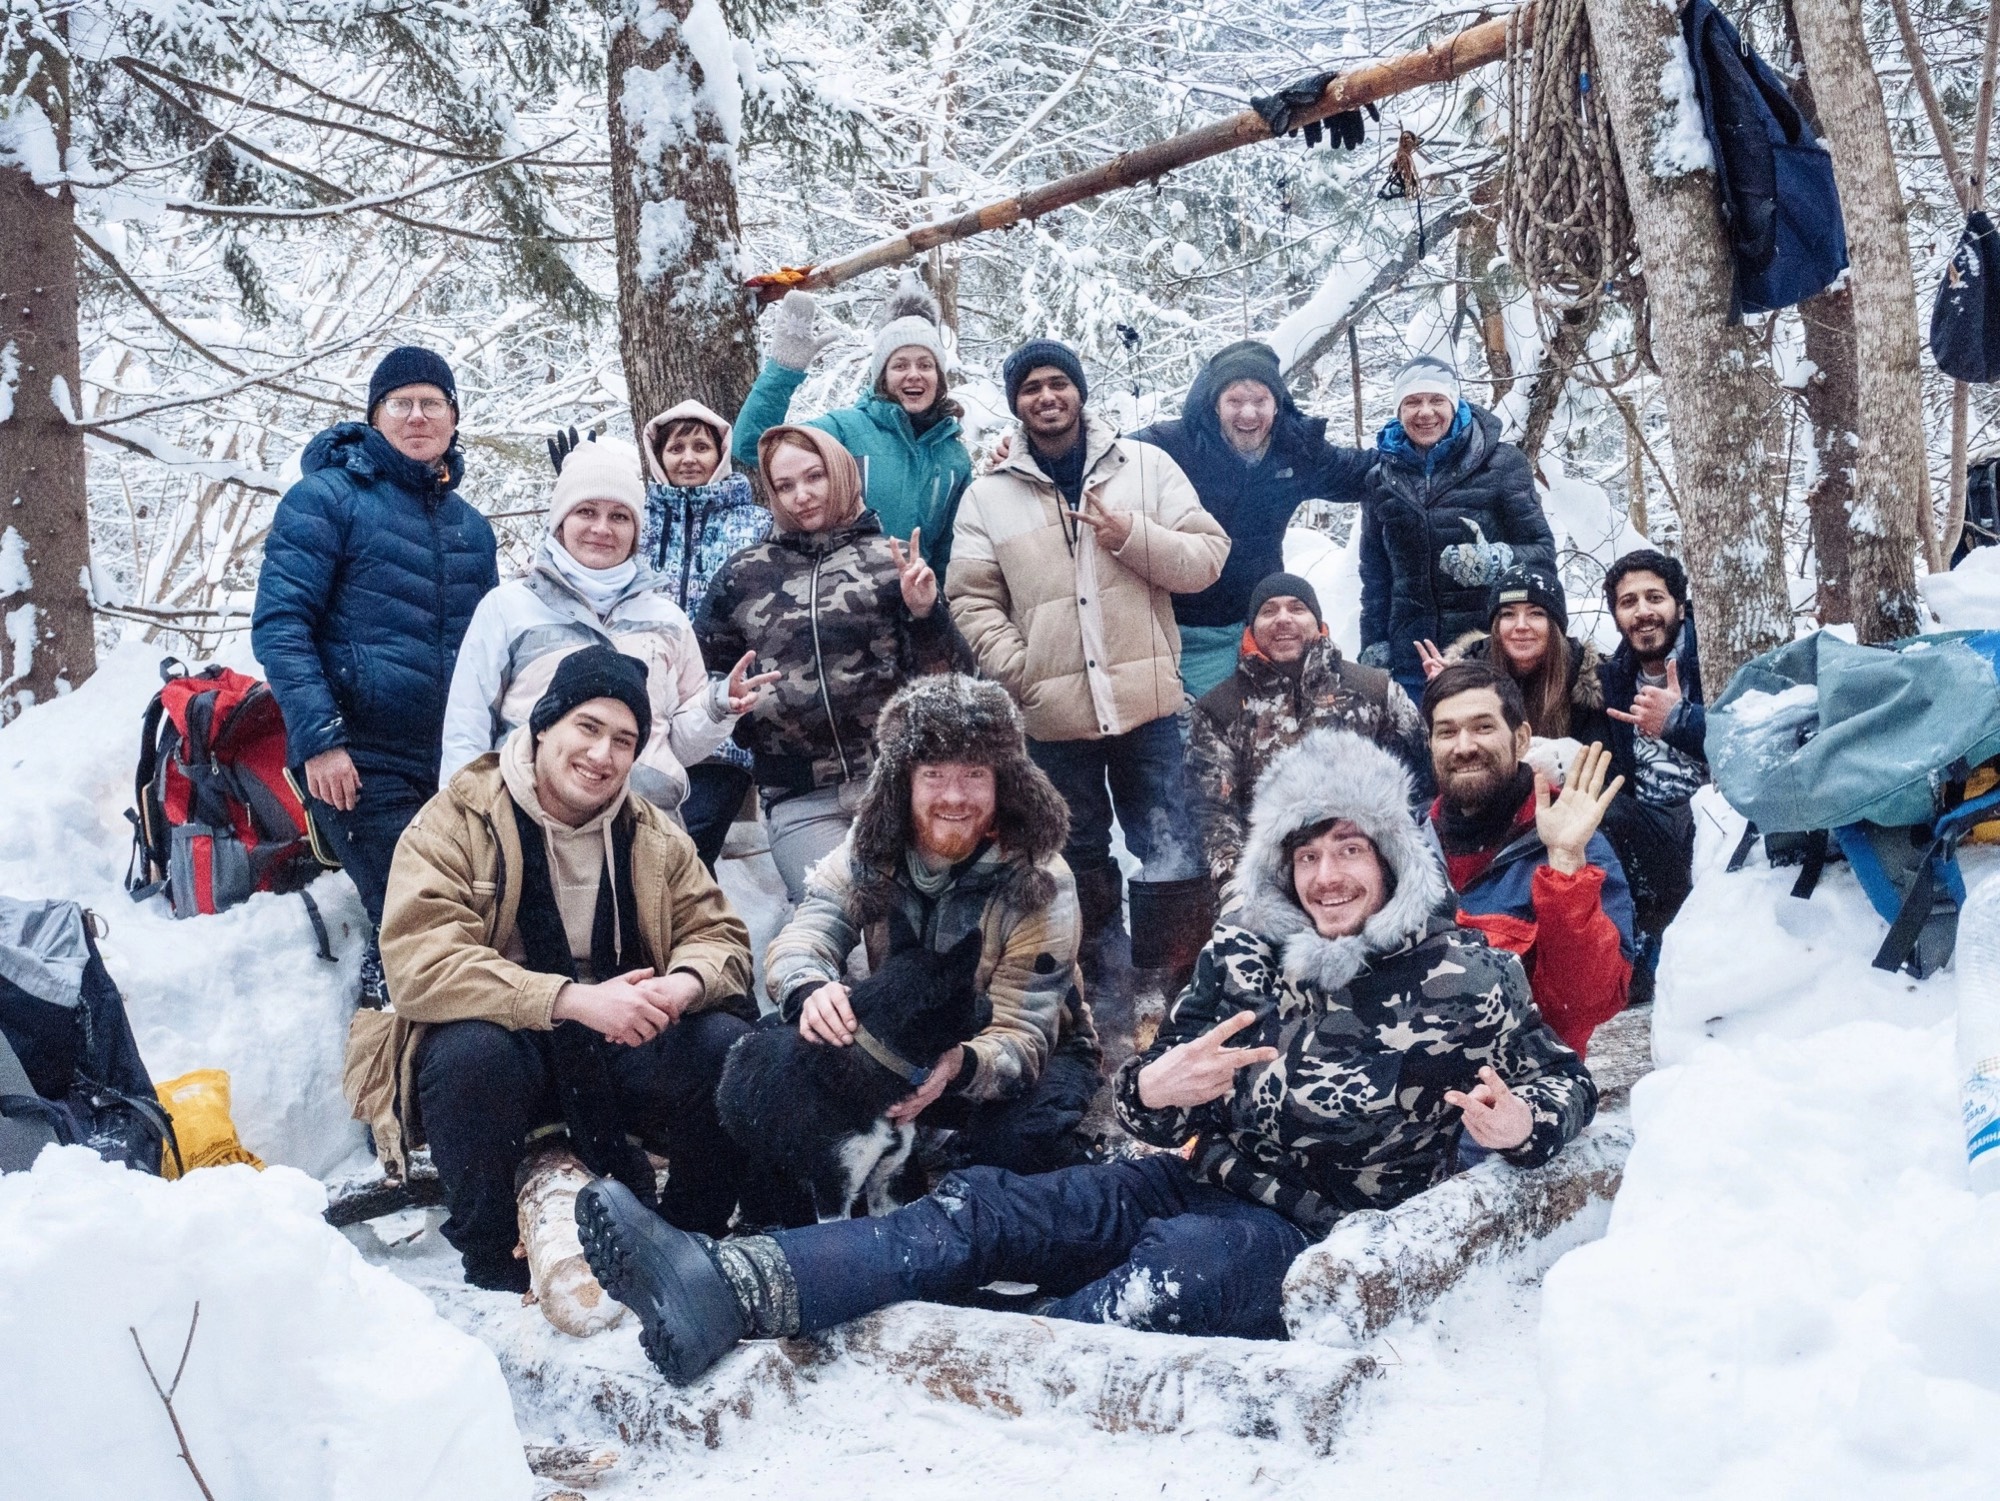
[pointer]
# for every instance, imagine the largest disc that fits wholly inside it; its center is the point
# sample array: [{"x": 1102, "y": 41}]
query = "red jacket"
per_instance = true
[{"x": 1573, "y": 933}]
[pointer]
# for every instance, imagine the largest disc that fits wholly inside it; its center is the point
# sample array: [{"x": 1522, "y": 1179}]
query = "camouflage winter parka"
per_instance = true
[
  {"x": 825, "y": 609},
  {"x": 1371, "y": 1029},
  {"x": 1261, "y": 709}
]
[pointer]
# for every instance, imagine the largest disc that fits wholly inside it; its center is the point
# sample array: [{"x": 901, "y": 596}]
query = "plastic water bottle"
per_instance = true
[{"x": 1978, "y": 965}]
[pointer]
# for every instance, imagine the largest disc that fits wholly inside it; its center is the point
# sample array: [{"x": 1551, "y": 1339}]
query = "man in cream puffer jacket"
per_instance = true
[{"x": 1064, "y": 567}]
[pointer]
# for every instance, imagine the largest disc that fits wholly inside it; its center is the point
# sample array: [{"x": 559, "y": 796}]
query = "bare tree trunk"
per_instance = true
[
  {"x": 47, "y": 640},
  {"x": 686, "y": 326},
  {"x": 1719, "y": 393},
  {"x": 1890, "y": 462},
  {"x": 1833, "y": 407}
]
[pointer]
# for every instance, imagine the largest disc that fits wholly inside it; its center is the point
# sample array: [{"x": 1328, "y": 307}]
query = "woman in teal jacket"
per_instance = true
[{"x": 904, "y": 433}]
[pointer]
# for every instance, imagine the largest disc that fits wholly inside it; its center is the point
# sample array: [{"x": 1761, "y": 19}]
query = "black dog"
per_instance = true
[{"x": 816, "y": 1113}]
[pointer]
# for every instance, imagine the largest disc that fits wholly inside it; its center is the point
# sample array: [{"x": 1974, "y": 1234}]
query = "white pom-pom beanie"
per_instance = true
[{"x": 913, "y": 315}]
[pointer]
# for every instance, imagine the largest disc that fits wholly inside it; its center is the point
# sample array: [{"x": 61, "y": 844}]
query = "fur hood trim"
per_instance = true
[
  {"x": 1337, "y": 774},
  {"x": 1586, "y": 689},
  {"x": 951, "y": 717}
]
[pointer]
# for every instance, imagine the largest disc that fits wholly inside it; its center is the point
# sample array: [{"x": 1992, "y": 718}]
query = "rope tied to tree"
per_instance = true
[{"x": 1567, "y": 220}]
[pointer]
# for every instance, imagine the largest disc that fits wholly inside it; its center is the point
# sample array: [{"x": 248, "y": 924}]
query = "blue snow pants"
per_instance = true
[{"x": 1140, "y": 1243}]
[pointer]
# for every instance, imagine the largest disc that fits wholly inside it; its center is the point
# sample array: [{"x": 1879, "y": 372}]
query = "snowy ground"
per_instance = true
[{"x": 1797, "y": 1294}]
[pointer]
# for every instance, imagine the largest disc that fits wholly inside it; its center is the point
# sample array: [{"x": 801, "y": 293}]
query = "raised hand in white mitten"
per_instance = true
[{"x": 793, "y": 342}]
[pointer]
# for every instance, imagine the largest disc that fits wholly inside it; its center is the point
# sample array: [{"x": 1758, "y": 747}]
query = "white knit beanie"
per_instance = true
[
  {"x": 606, "y": 469},
  {"x": 913, "y": 316},
  {"x": 1426, "y": 376}
]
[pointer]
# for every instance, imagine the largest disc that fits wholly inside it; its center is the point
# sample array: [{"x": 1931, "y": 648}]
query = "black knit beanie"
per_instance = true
[
  {"x": 1528, "y": 586},
  {"x": 1646, "y": 560},
  {"x": 408, "y": 365},
  {"x": 1276, "y": 584},
  {"x": 1035, "y": 354},
  {"x": 595, "y": 672},
  {"x": 1247, "y": 359}
]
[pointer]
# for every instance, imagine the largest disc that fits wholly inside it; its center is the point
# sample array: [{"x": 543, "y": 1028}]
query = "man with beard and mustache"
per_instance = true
[
  {"x": 1290, "y": 680},
  {"x": 959, "y": 830},
  {"x": 1527, "y": 864},
  {"x": 1652, "y": 692}
]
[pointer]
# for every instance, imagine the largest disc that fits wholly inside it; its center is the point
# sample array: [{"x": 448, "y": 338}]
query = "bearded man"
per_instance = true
[{"x": 958, "y": 830}]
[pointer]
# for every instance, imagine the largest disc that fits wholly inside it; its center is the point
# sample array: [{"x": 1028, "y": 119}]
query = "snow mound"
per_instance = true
[
  {"x": 242, "y": 990},
  {"x": 1967, "y": 598},
  {"x": 1798, "y": 1295},
  {"x": 311, "y": 1374},
  {"x": 1334, "y": 572}
]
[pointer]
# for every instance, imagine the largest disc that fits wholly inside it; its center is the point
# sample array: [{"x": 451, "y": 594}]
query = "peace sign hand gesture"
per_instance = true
[
  {"x": 919, "y": 580},
  {"x": 743, "y": 692},
  {"x": 1495, "y": 1117},
  {"x": 1113, "y": 527},
  {"x": 1566, "y": 820},
  {"x": 1651, "y": 707},
  {"x": 1201, "y": 1069},
  {"x": 1430, "y": 659}
]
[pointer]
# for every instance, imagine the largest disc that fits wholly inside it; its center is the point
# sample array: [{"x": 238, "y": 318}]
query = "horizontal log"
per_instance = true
[{"x": 1446, "y": 59}]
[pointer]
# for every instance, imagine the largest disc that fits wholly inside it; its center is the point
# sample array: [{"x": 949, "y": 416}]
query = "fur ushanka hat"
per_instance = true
[{"x": 951, "y": 717}]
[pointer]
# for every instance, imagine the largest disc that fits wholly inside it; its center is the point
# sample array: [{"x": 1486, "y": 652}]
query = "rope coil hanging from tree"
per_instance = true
[{"x": 1568, "y": 223}]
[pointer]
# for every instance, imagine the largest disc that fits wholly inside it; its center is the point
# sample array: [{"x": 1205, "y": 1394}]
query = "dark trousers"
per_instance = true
[
  {"x": 1035, "y": 1133},
  {"x": 482, "y": 1088},
  {"x": 364, "y": 837},
  {"x": 1656, "y": 847},
  {"x": 715, "y": 792},
  {"x": 1140, "y": 773},
  {"x": 1138, "y": 1243}
]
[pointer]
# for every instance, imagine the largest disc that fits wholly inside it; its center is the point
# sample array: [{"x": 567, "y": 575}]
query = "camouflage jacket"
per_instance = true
[
  {"x": 1352, "y": 1114},
  {"x": 1027, "y": 962},
  {"x": 1261, "y": 709},
  {"x": 826, "y": 611}
]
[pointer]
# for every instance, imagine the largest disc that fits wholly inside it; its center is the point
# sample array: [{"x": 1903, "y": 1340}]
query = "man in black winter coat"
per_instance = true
[
  {"x": 1653, "y": 697},
  {"x": 371, "y": 573},
  {"x": 1253, "y": 457},
  {"x": 1449, "y": 509}
]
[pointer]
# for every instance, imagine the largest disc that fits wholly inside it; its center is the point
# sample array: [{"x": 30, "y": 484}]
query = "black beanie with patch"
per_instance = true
[
  {"x": 595, "y": 672},
  {"x": 1276, "y": 585},
  {"x": 1528, "y": 586}
]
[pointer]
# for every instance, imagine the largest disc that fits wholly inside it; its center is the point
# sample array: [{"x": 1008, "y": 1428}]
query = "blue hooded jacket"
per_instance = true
[
  {"x": 1253, "y": 502},
  {"x": 371, "y": 573}
]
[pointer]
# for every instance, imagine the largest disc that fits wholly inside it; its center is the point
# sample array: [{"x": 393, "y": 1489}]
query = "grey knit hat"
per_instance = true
[{"x": 912, "y": 319}]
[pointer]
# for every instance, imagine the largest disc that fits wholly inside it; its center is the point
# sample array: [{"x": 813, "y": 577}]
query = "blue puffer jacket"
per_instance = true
[
  {"x": 1438, "y": 528},
  {"x": 371, "y": 574}
]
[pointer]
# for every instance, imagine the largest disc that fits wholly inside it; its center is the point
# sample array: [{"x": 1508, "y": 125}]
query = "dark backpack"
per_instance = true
[
  {"x": 70, "y": 1072},
  {"x": 1965, "y": 319},
  {"x": 1774, "y": 179},
  {"x": 1982, "y": 508},
  {"x": 217, "y": 816}
]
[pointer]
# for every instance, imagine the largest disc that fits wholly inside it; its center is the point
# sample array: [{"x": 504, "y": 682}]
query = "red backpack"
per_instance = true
[{"x": 218, "y": 816}]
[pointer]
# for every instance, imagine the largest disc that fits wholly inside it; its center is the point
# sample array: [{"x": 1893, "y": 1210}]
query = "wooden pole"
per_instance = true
[{"x": 1442, "y": 61}]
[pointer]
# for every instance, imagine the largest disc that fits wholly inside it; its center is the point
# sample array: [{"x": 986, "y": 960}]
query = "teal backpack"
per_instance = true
[{"x": 1877, "y": 754}]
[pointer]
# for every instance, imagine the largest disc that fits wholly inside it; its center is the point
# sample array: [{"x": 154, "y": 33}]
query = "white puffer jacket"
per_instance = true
[{"x": 526, "y": 626}]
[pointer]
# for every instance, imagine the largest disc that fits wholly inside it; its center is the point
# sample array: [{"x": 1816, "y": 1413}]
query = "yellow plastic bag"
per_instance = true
[
  {"x": 198, "y": 1105},
  {"x": 1981, "y": 781}
]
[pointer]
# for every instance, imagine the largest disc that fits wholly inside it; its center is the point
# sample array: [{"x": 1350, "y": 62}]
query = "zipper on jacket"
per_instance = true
[
  {"x": 819, "y": 669},
  {"x": 694, "y": 523}
]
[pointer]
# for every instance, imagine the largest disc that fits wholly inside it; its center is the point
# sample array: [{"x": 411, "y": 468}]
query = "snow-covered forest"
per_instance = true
[{"x": 1759, "y": 1274}]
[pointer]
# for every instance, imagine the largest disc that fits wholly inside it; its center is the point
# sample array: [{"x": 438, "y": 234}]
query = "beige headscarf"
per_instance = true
[{"x": 843, "y": 475}]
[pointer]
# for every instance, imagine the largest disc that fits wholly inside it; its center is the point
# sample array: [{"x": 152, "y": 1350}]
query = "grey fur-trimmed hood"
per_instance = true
[{"x": 1336, "y": 774}]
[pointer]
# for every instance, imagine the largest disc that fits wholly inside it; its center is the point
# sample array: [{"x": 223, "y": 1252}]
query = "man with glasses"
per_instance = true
[{"x": 371, "y": 572}]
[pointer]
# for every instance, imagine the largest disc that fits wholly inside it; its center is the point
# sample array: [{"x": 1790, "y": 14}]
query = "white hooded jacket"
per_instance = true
[{"x": 526, "y": 626}]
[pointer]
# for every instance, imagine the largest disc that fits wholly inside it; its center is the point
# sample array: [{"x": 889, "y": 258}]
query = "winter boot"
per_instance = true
[
  {"x": 689, "y": 1314},
  {"x": 1100, "y": 900}
]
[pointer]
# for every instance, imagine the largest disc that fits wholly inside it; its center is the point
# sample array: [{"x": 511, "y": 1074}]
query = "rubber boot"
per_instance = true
[
  {"x": 1100, "y": 900},
  {"x": 689, "y": 1315}
]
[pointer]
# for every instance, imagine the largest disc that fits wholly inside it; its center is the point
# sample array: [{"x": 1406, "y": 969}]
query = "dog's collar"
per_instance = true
[{"x": 889, "y": 1058}]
